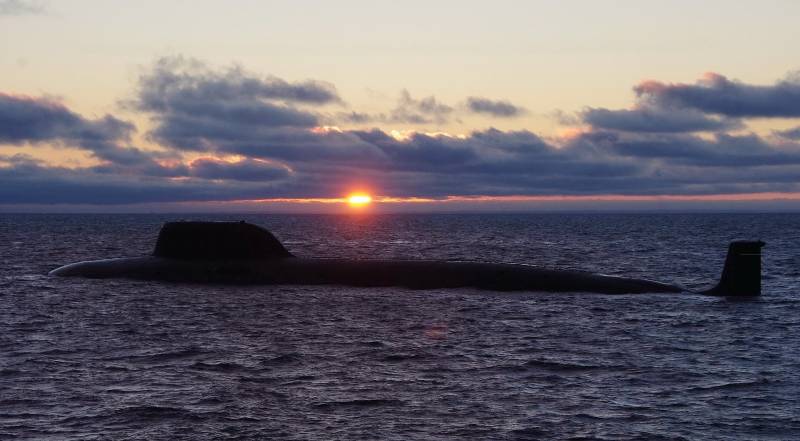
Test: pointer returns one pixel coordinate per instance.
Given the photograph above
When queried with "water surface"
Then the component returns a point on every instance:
(121, 359)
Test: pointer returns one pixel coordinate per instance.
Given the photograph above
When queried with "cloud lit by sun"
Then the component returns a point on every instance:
(359, 199)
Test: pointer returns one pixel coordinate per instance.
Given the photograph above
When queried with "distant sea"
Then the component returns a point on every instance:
(133, 360)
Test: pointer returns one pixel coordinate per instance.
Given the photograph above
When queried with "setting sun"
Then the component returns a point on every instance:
(359, 200)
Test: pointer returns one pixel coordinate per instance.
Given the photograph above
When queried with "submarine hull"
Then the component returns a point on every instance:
(415, 274)
(243, 253)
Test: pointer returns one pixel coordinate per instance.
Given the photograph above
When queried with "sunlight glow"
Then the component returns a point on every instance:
(405, 135)
(359, 199)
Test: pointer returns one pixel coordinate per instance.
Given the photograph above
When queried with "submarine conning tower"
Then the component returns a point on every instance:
(741, 276)
(195, 240)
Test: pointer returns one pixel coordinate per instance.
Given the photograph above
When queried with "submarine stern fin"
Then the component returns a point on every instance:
(741, 275)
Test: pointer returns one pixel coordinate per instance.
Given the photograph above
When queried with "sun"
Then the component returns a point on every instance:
(359, 199)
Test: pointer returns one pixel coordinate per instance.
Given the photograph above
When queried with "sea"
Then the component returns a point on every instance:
(135, 360)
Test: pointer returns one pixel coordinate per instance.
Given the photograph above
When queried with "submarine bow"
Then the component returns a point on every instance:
(243, 253)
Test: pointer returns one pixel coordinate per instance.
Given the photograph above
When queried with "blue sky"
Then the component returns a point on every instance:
(256, 105)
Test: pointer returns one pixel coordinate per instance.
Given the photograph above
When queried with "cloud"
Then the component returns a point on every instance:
(408, 110)
(20, 7)
(244, 170)
(793, 134)
(181, 83)
(36, 184)
(39, 121)
(428, 110)
(419, 111)
(499, 109)
(654, 119)
(717, 94)
(489, 162)
(261, 138)
(565, 118)
(723, 150)
(354, 117)
(26, 119)
(196, 108)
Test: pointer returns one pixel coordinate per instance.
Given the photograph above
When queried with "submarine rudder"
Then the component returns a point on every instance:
(741, 275)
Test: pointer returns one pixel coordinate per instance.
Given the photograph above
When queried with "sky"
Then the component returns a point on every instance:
(426, 106)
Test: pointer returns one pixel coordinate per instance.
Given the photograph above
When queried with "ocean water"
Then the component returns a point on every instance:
(122, 359)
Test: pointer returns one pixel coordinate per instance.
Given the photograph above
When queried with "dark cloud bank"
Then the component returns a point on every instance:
(675, 140)
(717, 94)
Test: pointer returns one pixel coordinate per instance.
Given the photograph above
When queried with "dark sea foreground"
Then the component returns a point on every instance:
(120, 359)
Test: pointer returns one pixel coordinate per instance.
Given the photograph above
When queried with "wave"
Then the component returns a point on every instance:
(729, 386)
(218, 367)
(156, 357)
(292, 357)
(370, 402)
(559, 366)
(154, 413)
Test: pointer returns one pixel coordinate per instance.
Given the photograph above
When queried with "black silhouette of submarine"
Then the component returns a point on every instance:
(243, 253)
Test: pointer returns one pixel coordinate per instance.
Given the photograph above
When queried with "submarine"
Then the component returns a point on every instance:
(244, 253)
